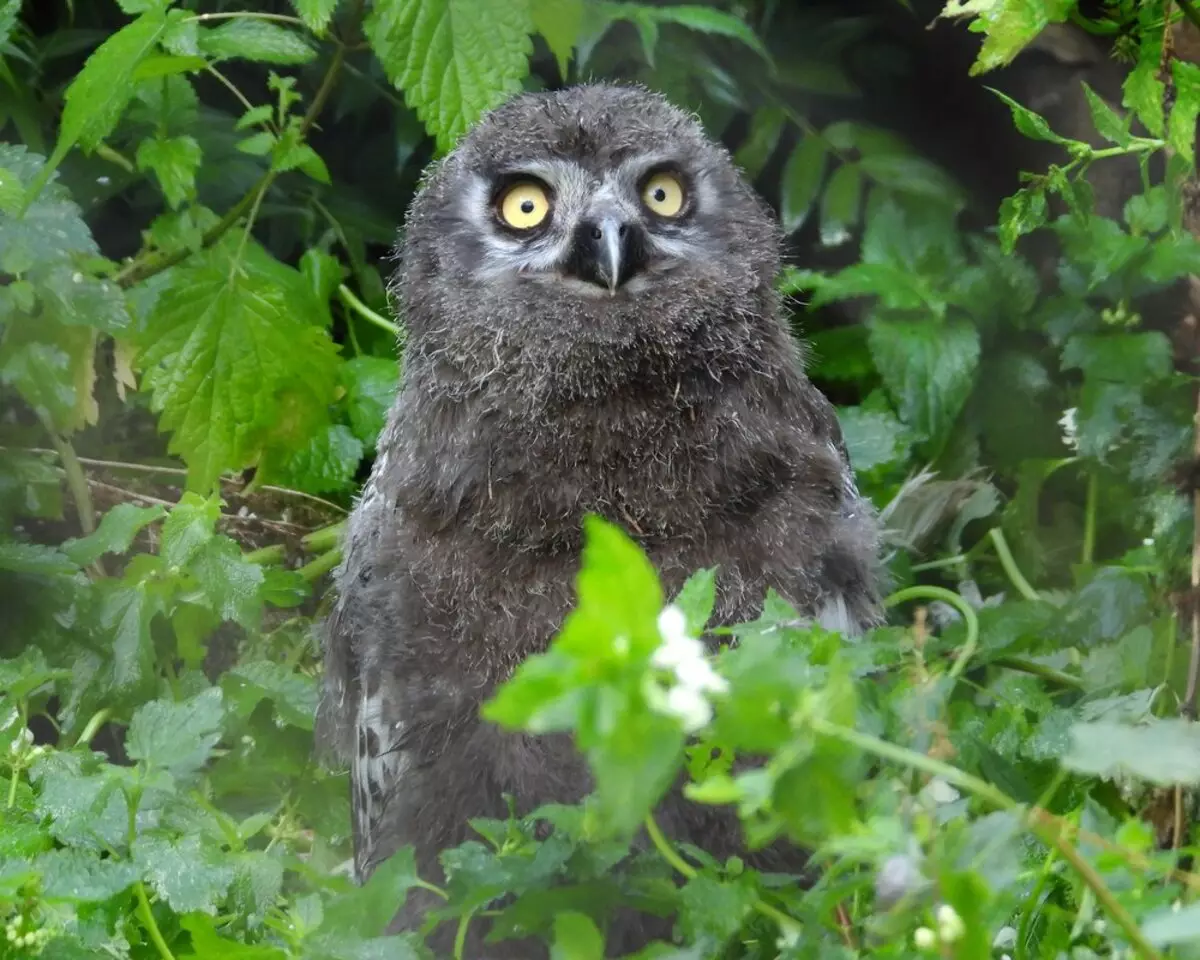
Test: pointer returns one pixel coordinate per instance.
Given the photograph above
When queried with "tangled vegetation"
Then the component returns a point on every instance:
(197, 198)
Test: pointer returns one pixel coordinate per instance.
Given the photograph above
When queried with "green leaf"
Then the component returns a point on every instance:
(114, 534)
(707, 20)
(802, 177)
(716, 909)
(1165, 752)
(371, 384)
(176, 737)
(1142, 91)
(840, 205)
(124, 613)
(9, 11)
(52, 366)
(453, 59)
(35, 559)
(174, 161)
(928, 367)
(208, 945)
(294, 694)
(87, 811)
(1033, 125)
(576, 937)
(52, 226)
(367, 910)
(559, 23)
(183, 871)
(77, 876)
(100, 92)
(12, 193)
(27, 673)
(231, 583)
(696, 598)
(1135, 358)
(249, 38)
(316, 14)
(1109, 124)
(232, 352)
(1010, 25)
(188, 527)
(1181, 126)
(1170, 925)
(873, 437)
(327, 462)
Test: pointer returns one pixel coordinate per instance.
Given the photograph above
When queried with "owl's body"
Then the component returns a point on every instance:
(551, 372)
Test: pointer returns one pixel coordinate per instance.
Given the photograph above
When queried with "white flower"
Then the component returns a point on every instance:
(689, 706)
(699, 675)
(1070, 425)
(685, 657)
(950, 924)
(924, 938)
(677, 647)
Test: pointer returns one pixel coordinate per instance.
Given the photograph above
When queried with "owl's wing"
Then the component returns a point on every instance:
(358, 713)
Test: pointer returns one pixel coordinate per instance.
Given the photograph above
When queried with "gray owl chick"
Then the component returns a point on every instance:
(587, 284)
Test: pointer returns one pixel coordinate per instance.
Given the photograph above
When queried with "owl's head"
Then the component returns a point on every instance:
(598, 209)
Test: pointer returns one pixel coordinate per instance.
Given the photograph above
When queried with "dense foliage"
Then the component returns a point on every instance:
(196, 355)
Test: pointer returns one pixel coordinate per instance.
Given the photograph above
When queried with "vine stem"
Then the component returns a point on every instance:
(142, 269)
(95, 722)
(1091, 507)
(350, 300)
(146, 915)
(1024, 588)
(970, 618)
(681, 866)
(1189, 699)
(1048, 827)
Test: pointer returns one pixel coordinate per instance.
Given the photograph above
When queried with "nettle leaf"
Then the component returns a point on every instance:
(174, 161)
(185, 872)
(79, 876)
(1031, 124)
(873, 437)
(100, 92)
(316, 14)
(715, 908)
(327, 462)
(1135, 358)
(85, 810)
(52, 367)
(231, 352)
(576, 937)
(52, 225)
(294, 694)
(232, 584)
(1181, 126)
(124, 612)
(176, 737)
(1010, 25)
(1109, 124)
(188, 528)
(696, 598)
(559, 22)
(1021, 213)
(802, 178)
(207, 944)
(928, 368)
(250, 38)
(453, 59)
(34, 559)
(1165, 752)
(114, 534)
(366, 911)
(371, 384)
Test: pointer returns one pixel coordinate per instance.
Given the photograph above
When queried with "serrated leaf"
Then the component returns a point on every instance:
(125, 612)
(52, 225)
(249, 38)
(52, 367)
(453, 59)
(840, 205)
(176, 737)
(928, 367)
(559, 23)
(78, 876)
(294, 694)
(232, 584)
(34, 559)
(327, 462)
(1181, 125)
(316, 14)
(1010, 25)
(114, 534)
(371, 384)
(27, 673)
(715, 909)
(1109, 124)
(1136, 358)
(1165, 752)
(174, 161)
(232, 351)
(576, 937)
(184, 872)
(100, 92)
(188, 527)
(802, 178)
(367, 910)
(872, 437)
(1031, 124)
(87, 811)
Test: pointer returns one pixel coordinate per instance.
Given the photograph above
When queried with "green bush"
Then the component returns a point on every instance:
(195, 362)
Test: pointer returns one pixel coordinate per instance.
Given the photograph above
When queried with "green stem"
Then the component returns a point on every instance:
(350, 300)
(940, 564)
(1035, 819)
(460, 938)
(970, 618)
(245, 14)
(1036, 669)
(105, 152)
(76, 479)
(265, 555)
(95, 722)
(320, 566)
(431, 887)
(325, 538)
(146, 915)
(1010, 565)
(1089, 519)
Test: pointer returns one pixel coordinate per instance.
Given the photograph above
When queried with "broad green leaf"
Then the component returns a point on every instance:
(188, 527)
(802, 177)
(176, 737)
(77, 876)
(873, 437)
(52, 226)
(125, 612)
(232, 351)
(1010, 25)
(316, 14)
(34, 559)
(840, 205)
(174, 161)
(1165, 752)
(114, 534)
(83, 810)
(1032, 124)
(1109, 124)
(1181, 125)
(100, 92)
(183, 871)
(1135, 358)
(52, 366)
(576, 938)
(208, 945)
(293, 693)
(559, 23)
(453, 59)
(263, 41)
(696, 599)
(367, 910)
(1170, 925)
(232, 584)
(371, 384)
(715, 908)
(928, 367)
(326, 462)
(27, 673)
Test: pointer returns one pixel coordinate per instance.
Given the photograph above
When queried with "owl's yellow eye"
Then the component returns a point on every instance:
(524, 205)
(663, 194)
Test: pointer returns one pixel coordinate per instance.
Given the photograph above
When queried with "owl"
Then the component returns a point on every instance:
(588, 286)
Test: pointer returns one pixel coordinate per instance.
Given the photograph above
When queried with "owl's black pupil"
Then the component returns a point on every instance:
(660, 195)
(527, 206)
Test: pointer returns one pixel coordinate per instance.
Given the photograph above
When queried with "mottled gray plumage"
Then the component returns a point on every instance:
(675, 405)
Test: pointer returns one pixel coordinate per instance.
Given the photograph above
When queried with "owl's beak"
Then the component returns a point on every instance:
(607, 251)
